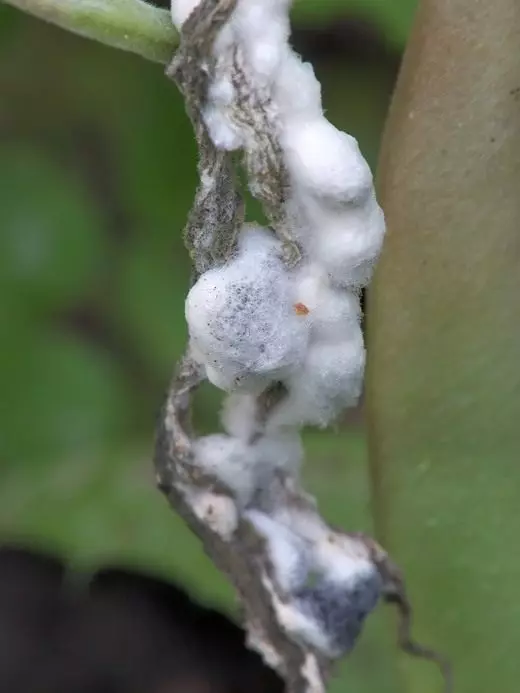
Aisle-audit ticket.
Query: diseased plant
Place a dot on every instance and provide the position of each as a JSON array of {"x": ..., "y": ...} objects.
[{"x": 274, "y": 321}]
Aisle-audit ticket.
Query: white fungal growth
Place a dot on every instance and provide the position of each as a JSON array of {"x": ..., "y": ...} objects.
[
  {"x": 217, "y": 511},
  {"x": 349, "y": 243},
  {"x": 246, "y": 469},
  {"x": 239, "y": 416},
  {"x": 330, "y": 380},
  {"x": 255, "y": 641},
  {"x": 300, "y": 543},
  {"x": 297, "y": 93},
  {"x": 228, "y": 460},
  {"x": 259, "y": 326},
  {"x": 241, "y": 317},
  {"x": 324, "y": 162},
  {"x": 253, "y": 321},
  {"x": 329, "y": 578},
  {"x": 289, "y": 553},
  {"x": 311, "y": 672},
  {"x": 279, "y": 451},
  {"x": 181, "y": 10},
  {"x": 300, "y": 624}
]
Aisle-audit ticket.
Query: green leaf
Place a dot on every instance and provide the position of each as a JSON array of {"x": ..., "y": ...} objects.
[
  {"x": 51, "y": 240},
  {"x": 148, "y": 305},
  {"x": 9, "y": 21},
  {"x": 60, "y": 396},
  {"x": 157, "y": 157},
  {"x": 444, "y": 340}
]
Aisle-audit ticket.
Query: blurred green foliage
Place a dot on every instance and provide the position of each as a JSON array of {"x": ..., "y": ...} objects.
[
  {"x": 97, "y": 173},
  {"x": 393, "y": 18}
]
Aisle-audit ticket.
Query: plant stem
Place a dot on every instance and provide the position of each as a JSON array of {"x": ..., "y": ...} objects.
[
  {"x": 444, "y": 334},
  {"x": 130, "y": 25}
]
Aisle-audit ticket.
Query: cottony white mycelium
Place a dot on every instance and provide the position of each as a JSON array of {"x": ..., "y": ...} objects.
[{"x": 274, "y": 321}]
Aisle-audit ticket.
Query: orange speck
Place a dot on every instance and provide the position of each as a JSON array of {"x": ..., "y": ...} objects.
[{"x": 301, "y": 309}]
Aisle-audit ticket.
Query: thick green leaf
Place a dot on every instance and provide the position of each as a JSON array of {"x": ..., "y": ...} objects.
[{"x": 444, "y": 380}]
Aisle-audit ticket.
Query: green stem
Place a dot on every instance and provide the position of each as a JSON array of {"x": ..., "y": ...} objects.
[
  {"x": 444, "y": 322},
  {"x": 130, "y": 25}
]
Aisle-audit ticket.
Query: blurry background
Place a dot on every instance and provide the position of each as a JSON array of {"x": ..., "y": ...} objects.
[{"x": 97, "y": 172}]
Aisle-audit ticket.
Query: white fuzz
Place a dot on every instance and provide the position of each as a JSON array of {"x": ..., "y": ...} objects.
[
  {"x": 281, "y": 450},
  {"x": 252, "y": 321},
  {"x": 246, "y": 469},
  {"x": 297, "y": 92},
  {"x": 239, "y": 416},
  {"x": 312, "y": 674},
  {"x": 329, "y": 583},
  {"x": 302, "y": 626},
  {"x": 261, "y": 28},
  {"x": 284, "y": 341},
  {"x": 337, "y": 558},
  {"x": 223, "y": 133},
  {"x": 181, "y": 10},
  {"x": 289, "y": 553},
  {"x": 330, "y": 380},
  {"x": 334, "y": 314},
  {"x": 325, "y": 162},
  {"x": 349, "y": 242},
  {"x": 242, "y": 320},
  {"x": 228, "y": 460},
  {"x": 217, "y": 511},
  {"x": 257, "y": 643}
]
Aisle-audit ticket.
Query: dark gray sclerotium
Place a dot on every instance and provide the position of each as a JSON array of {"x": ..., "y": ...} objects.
[{"x": 340, "y": 609}]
